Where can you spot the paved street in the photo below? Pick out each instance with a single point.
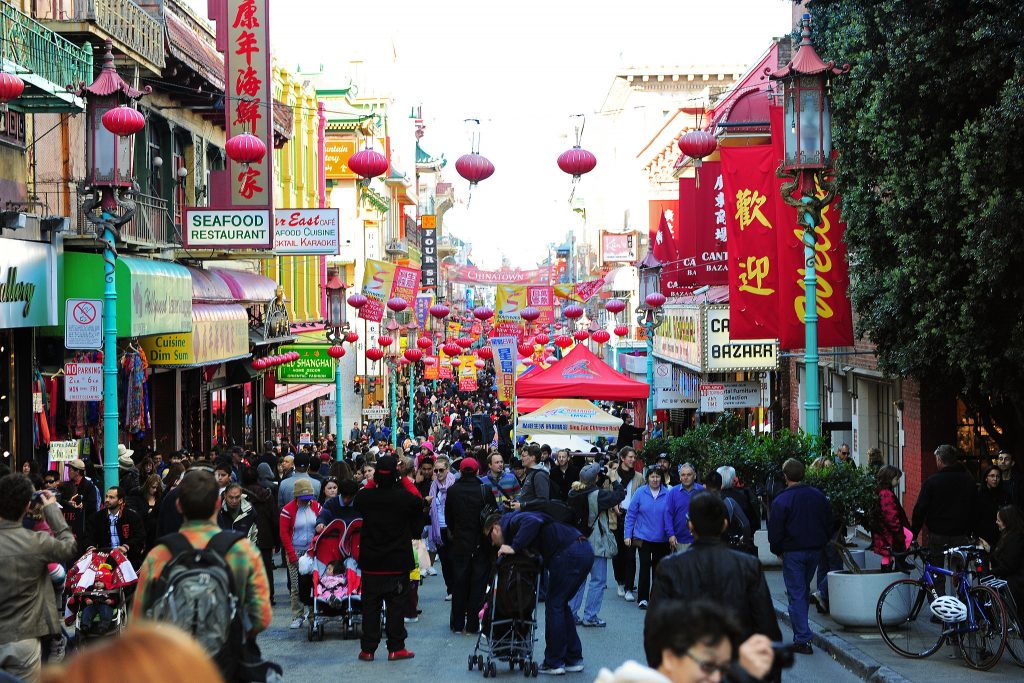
(444, 655)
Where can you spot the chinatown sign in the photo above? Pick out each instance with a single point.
(474, 276)
(227, 229)
(306, 232)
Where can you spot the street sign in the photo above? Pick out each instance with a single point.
(712, 398)
(376, 413)
(305, 438)
(328, 407)
(83, 382)
(663, 375)
(83, 324)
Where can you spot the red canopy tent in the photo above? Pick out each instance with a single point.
(581, 374)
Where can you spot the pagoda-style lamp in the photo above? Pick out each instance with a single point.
(649, 314)
(337, 327)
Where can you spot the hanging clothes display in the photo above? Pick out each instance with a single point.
(136, 392)
(40, 412)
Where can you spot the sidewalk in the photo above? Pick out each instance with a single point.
(864, 652)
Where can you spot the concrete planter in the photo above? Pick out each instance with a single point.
(853, 598)
(767, 557)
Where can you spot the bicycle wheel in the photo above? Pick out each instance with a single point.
(904, 620)
(1015, 639)
(983, 645)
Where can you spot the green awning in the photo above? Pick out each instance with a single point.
(153, 297)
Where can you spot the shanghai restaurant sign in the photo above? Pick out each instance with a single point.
(227, 229)
(314, 365)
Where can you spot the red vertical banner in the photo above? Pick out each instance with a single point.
(406, 283)
(709, 226)
(542, 298)
(835, 317)
(683, 275)
(748, 183)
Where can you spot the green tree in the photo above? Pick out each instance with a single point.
(929, 125)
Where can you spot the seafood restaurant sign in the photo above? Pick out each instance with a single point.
(227, 229)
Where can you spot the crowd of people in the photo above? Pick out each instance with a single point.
(452, 501)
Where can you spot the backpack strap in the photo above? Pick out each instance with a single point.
(222, 542)
(176, 543)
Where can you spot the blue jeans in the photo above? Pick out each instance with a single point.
(568, 570)
(594, 588)
(829, 561)
(798, 568)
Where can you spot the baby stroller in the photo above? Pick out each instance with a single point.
(334, 590)
(510, 618)
(97, 589)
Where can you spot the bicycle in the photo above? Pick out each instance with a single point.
(906, 622)
(1015, 622)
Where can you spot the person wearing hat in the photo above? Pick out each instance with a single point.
(468, 554)
(298, 526)
(128, 474)
(285, 491)
(391, 520)
(591, 502)
(86, 500)
(340, 506)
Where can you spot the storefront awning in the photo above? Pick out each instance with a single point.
(153, 297)
(220, 333)
(247, 287)
(208, 287)
(300, 397)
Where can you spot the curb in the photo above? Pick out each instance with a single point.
(844, 652)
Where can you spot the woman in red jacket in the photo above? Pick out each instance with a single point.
(888, 535)
(298, 526)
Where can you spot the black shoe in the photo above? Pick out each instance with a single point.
(803, 648)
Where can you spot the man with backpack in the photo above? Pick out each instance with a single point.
(195, 577)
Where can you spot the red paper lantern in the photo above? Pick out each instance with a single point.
(11, 87)
(357, 300)
(614, 306)
(397, 304)
(452, 349)
(581, 335)
(257, 363)
(621, 330)
(563, 341)
(456, 362)
(655, 300)
(464, 342)
(374, 354)
(483, 313)
(601, 336)
(550, 360)
(368, 163)
(440, 311)
(123, 121)
(474, 167)
(527, 362)
(424, 343)
(485, 352)
(697, 144)
(384, 341)
(352, 337)
(413, 355)
(549, 349)
(572, 311)
(576, 162)
(525, 349)
(542, 338)
(479, 364)
(336, 351)
(244, 148)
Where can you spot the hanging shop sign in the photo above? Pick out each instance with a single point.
(428, 261)
(227, 229)
(83, 382)
(337, 152)
(220, 332)
(619, 247)
(83, 323)
(741, 395)
(64, 451)
(306, 232)
(672, 399)
(314, 365)
(712, 398)
(375, 413)
(679, 337)
(721, 354)
(504, 349)
(28, 286)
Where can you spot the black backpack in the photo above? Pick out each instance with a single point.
(196, 592)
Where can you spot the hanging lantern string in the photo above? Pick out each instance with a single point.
(474, 136)
(580, 125)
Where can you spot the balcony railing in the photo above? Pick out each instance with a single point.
(44, 59)
(396, 248)
(151, 226)
(122, 20)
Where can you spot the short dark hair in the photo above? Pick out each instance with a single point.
(493, 520)
(231, 487)
(223, 466)
(885, 475)
(793, 470)
(197, 494)
(117, 491)
(946, 454)
(707, 512)
(677, 626)
(15, 493)
(534, 450)
(713, 481)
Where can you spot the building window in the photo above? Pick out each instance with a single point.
(12, 126)
(888, 424)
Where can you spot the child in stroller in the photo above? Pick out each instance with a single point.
(97, 587)
(339, 582)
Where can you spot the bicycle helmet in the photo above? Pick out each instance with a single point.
(949, 609)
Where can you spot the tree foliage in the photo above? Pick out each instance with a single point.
(929, 126)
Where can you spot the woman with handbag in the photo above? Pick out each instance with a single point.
(591, 502)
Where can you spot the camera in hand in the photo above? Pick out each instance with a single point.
(784, 656)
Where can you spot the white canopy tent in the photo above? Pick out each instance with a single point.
(569, 416)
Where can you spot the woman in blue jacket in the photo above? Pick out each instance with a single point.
(645, 528)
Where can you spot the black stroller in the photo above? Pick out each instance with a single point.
(510, 618)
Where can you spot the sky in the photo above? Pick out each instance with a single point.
(522, 68)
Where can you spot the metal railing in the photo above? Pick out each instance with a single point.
(151, 225)
(123, 20)
(39, 50)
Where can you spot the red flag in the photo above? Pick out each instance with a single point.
(684, 274)
(835, 317)
(750, 196)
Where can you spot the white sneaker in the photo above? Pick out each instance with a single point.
(630, 596)
(621, 590)
(411, 620)
(297, 622)
(448, 598)
(431, 571)
(643, 604)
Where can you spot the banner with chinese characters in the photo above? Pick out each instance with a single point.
(509, 301)
(406, 284)
(579, 291)
(835, 317)
(422, 309)
(504, 349)
(542, 298)
(708, 220)
(467, 374)
(679, 243)
(378, 280)
(430, 367)
(243, 36)
(444, 366)
(750, 197)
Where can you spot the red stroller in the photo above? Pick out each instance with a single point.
(335, 589)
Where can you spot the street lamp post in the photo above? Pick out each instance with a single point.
(649, 314)
(337, 326)
(392, 362)
(410, 344)
(808, 168)
(110, 181)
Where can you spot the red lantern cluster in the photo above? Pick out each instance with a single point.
(572, 311)
(273, 361)
(384, 341)
(483, 313)
(563, 341)
(473, 167)
(614, 306)
(357, 300)
(485, 352)
(576, 162)
(336, 351)
(655, 300)
(244, 148)
(601, 336)
(413, 355)
(374, 354)
(11, 87)
(621, 330)
(397, 304)
(452, 349)
(368, 163)
(124, 121)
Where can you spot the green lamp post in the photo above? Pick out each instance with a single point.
(337, 326)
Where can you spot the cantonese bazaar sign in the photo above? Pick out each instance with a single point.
(314, 365)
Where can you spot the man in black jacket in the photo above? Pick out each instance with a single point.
(713, 570)
(945, 505)
(117, 526)
(470, 556)
(391, 520)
